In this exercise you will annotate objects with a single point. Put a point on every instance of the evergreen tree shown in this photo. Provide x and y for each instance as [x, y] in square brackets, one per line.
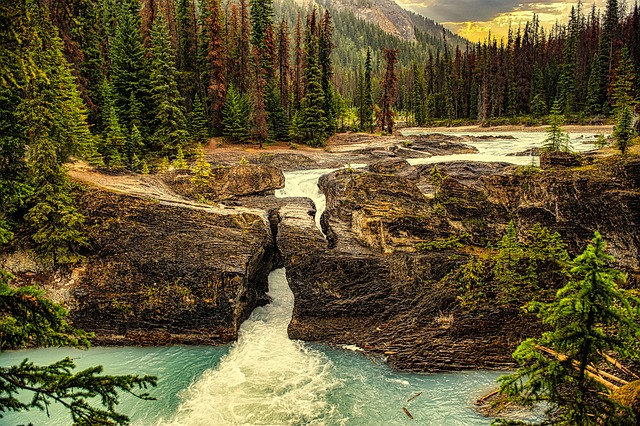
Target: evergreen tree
[201, 170]
[417, 96]
[213, 32]
[388, 97]
[52, 115]
[198, 123]
[557, 139]
[261, 14]
[325, 49]
[180, 163]
[538, 103]
[113, 142]
[284, 65]
[170, 124]
[30, 319]
[129, 67]
[235, 116]
[312, 124]
[187, 50]
[590, 319]
[260, 131]
[134, 146]
[624, 82]
[278, 121]
[623, 132]
[366, 107]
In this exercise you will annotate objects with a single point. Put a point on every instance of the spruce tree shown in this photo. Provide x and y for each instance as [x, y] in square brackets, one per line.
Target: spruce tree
[278, 122]
[312, 124]
[129, 67]
[215, 60]
[134, 145]
[201, 170]
[170, 124]
[624, 83]
[590, 319]
[91, 397]
[325, 49]
[624, 132]
[417, 96]
[366, 107]
[235, 116]
[113, 143]
[180, 163]
[198, 122]
[389, 90]
[557, 139]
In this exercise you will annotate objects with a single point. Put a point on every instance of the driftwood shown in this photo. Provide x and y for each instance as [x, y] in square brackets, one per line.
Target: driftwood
[414, 397]
[591, 371]
[407, 412]
[594, 373]
[481, 401]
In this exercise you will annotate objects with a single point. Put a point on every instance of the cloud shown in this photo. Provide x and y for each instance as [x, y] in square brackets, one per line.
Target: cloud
[474, 19]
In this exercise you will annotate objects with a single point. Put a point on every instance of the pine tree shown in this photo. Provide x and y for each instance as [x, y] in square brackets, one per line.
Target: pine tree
[134, 145]
[213, 33]
[201, 170]
[325, 49]
[187, 50]
[312, 124]
[235, 116]
[624, 132]
[298, 74]
[244, 48]
[198, 123]
[366, 108]
[31, 319]
[388, 97]
[623, 84]
[590, 319]
[557, 139]
[113, 142]
[284, 65]
[179, 163]
[261, 14]
[129, 66]
[417, 96]
[170, 124]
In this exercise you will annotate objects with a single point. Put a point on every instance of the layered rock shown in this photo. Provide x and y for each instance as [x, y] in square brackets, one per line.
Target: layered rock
[368, 284]
[228, 182]
[159, 269]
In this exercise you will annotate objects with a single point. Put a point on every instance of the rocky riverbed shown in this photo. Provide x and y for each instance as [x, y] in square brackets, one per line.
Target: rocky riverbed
[163, 268]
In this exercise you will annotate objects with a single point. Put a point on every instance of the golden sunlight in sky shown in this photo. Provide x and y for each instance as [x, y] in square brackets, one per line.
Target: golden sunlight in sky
[474, 20]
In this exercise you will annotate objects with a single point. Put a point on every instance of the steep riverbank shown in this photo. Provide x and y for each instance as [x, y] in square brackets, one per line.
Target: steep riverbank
[163, 268]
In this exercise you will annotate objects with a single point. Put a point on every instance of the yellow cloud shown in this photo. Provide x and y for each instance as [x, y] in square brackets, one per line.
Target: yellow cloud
[548, 14]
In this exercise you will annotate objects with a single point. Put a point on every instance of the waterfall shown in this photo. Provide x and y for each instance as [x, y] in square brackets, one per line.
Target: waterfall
[266, 378]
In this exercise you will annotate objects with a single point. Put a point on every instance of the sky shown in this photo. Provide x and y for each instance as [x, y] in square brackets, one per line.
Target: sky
[474, 19]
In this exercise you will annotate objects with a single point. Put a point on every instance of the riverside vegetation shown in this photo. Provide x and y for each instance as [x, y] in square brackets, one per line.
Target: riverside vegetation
[134, 85]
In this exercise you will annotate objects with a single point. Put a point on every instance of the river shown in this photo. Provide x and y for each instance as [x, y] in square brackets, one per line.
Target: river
[267, 379]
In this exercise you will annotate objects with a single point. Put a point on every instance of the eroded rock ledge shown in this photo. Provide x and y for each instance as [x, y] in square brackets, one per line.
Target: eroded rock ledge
[162, 268]
[369, 286]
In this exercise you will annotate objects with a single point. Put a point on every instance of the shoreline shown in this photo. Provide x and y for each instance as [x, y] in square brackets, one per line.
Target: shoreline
[524, 129]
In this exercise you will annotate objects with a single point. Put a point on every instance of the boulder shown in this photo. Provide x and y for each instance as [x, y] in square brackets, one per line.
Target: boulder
[228, 182]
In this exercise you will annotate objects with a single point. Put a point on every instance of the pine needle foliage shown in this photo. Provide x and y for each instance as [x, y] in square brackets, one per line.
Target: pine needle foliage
[90, 397]
[591, 316]
[170, 123]
[557, 139]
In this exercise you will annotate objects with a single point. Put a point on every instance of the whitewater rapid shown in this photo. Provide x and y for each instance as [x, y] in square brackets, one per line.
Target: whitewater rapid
[266, 378]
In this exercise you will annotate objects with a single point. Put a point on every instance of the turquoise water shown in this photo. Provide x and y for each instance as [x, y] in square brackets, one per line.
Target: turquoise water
[267, 379]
